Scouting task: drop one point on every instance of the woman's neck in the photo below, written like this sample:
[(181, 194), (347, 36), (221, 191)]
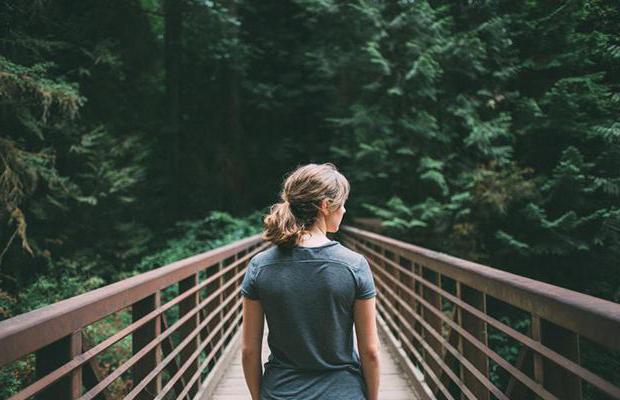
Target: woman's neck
[(314, 237)]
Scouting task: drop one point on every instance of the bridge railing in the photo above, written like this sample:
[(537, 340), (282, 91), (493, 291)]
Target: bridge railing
[(200, 296), (441, 310)]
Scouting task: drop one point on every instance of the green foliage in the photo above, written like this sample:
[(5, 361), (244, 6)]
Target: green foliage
[(33, 87), (28, 91), (193, 237), (14, 376)]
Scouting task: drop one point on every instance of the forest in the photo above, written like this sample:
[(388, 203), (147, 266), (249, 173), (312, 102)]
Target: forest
[(136, 133)]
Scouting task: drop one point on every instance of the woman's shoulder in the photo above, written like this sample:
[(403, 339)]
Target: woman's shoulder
[(346, 255), (264, 256)]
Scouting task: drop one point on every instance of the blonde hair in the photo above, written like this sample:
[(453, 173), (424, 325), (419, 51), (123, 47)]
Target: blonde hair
[(302, 192)]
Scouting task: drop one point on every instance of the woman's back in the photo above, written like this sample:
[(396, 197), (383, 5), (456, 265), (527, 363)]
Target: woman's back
[(307, 294)]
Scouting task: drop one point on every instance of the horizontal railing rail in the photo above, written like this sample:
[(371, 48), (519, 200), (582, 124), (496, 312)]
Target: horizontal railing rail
[(178, 357), (437, 308)]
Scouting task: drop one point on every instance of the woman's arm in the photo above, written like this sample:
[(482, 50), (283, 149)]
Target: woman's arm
[(368, 343), (252, 344)]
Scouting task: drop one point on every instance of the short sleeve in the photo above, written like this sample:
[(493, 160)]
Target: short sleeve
[(248, 285), (365, 282)]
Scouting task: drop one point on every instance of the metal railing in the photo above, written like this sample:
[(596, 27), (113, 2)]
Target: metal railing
[(437, 309), (204, 301)]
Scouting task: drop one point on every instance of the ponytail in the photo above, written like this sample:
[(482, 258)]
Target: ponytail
[(281, 226), (303, 191)]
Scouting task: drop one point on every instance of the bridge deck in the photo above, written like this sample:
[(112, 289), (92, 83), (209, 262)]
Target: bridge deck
[(231, 386)]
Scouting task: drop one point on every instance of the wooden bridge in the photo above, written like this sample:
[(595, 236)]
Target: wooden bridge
[(442, 321)]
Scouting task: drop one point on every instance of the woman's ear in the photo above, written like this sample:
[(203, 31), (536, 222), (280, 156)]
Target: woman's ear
[(324, 208)]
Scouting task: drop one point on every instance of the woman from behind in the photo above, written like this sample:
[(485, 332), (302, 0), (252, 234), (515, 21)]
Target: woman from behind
[(314, 293)]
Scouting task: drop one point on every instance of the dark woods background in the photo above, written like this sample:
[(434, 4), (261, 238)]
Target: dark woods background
[(135, 133)]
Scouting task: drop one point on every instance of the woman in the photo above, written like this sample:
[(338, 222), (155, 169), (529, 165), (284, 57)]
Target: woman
[(312, 290)]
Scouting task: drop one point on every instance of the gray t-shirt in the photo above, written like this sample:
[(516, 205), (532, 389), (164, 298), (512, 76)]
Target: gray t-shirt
[(307, 294)]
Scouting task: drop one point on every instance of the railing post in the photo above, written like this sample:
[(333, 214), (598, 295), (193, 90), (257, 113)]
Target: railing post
[(92, 373), (396, 288), (409, 282), (141, 337), (53, 356), (234, 292), (453, 338), (211, 288), (387, 268), (537, 358), (185, 330), (559, 381), (227, 276), (221, 299), (419, 307), (459, 322), (477, 328), (432, 297)]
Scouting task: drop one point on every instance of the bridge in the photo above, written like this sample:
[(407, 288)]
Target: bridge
[(437, 316)]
